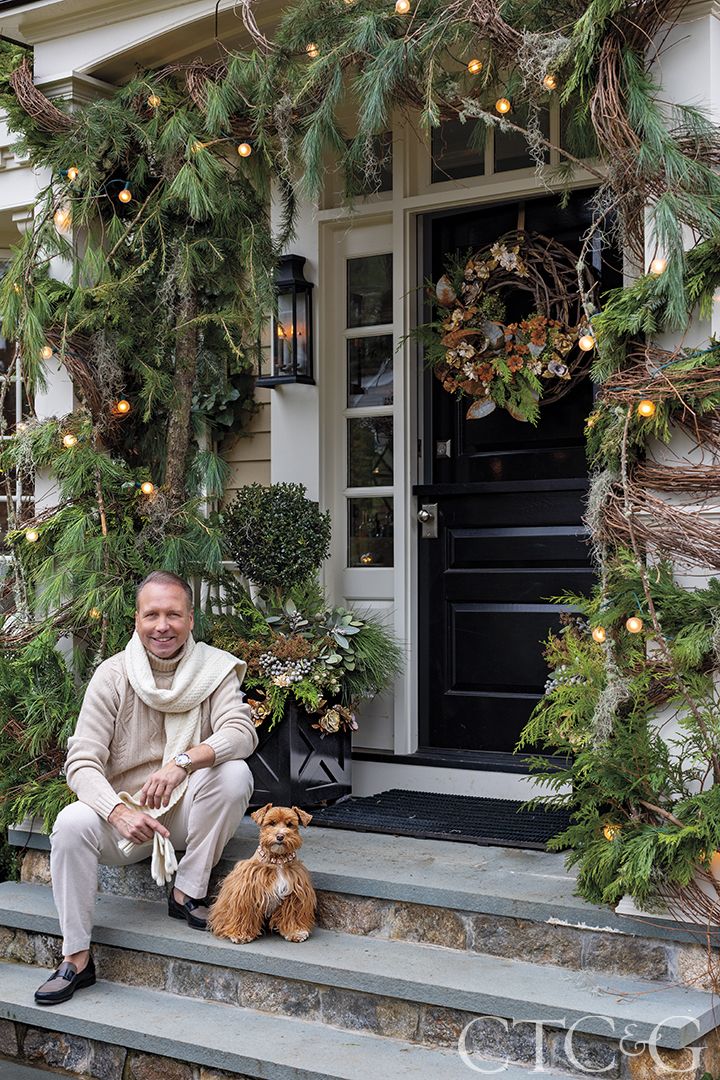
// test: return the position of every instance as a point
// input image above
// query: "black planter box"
(294, 765)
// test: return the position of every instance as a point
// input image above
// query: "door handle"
(428, 517)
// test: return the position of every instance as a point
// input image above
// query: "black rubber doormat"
(437, 816)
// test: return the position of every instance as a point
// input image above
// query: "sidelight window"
(369, 411)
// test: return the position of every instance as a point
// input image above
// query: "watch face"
(182, 759)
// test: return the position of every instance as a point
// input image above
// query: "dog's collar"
(274, 860)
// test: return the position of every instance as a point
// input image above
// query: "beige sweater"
(118, 740)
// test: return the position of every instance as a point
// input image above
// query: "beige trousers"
(202, 823)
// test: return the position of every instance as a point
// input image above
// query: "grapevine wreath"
(517, 365)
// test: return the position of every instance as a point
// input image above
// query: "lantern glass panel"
(284, 330)
(302, 325)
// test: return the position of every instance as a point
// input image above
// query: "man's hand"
(159, 786)
(135, 825)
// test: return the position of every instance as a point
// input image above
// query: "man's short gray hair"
(165, 577)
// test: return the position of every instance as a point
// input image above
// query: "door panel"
(510, 500)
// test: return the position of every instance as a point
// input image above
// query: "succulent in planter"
(327, 659)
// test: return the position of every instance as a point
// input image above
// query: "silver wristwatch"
(184, 761)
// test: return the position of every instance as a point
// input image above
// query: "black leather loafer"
(194, 912)
(63, 983)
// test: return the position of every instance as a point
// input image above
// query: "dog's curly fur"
(256, 890)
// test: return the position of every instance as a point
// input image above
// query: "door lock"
(428, 517)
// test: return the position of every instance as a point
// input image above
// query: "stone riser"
(539, 942)
(425, 1025)
(93, 1060)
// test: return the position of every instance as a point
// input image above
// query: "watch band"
(186, 765)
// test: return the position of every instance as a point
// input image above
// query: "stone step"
(393, 988)
(502, 901)
(215, 1036)
(14, 1070)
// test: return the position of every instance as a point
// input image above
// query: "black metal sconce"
(292, 331)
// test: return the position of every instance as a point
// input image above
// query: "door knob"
(427, 515)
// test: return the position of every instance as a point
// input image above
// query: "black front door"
(510, 499)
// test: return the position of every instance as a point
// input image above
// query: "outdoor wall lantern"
(292, 333)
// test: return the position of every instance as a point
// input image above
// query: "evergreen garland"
(164, 302)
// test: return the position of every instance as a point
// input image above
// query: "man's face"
(163, 619)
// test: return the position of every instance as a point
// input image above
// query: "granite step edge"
(476, 983)
(211, 1034)
(539, 898)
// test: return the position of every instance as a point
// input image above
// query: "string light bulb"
(475, 67)
(611, 831)
(312, 50)
(125, 196)
(147, 488)
(123, 407)
(153, 101)
(244, 149)
(32, 536)
(658, 266)
(646, 408)
(72, 173)
(502, 105)
(62, 218)
(46, 352)
(587, 342)
(599, 634)
(634, 624)
(69, 440)
(95, 613)
(550, 82)
(402, 7)
(20, 427)
(16, 288)
(366, 559)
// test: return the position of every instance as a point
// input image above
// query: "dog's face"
(280, 827)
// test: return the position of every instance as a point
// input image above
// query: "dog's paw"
(301, 935)
(241, 940)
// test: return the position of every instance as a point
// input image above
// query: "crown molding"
(42, 22)
(75, 87)
(698, 9)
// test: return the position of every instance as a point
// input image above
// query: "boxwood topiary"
(276, 535)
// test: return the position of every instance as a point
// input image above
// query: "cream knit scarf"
(198, 674)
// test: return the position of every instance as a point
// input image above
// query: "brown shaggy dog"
(273, 884)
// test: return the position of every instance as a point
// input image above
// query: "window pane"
(511, 149)
(370, 452)
(370, 532)
(370, 371)
(458, 150)
(369, 282)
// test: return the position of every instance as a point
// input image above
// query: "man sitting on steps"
(156, 762)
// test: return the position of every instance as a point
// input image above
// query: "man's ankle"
(80, 960)
(179, 896)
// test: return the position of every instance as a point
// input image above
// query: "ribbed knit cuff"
(105, 804)
(224, 749)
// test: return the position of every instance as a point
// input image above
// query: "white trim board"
(372, 777)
